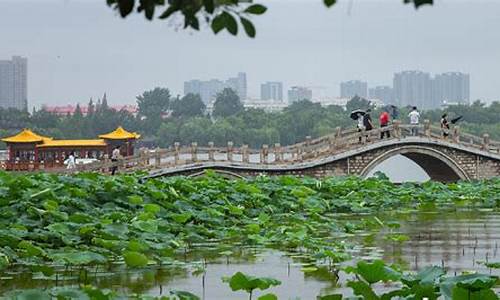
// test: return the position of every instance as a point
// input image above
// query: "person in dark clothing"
(367, 122)
(445, 126)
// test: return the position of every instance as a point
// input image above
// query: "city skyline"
(451, 87)
(68, 64)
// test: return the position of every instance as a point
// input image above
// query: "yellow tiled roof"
(26, 136)
(120, 134)
(72, 143)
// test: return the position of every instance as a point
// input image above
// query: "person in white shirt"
(414, 120)
(71, 161)
(115, 155)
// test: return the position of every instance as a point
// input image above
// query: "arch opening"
(437, 165)
(223, 173)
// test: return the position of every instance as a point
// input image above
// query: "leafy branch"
(219, 14)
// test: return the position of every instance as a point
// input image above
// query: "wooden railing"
(308, 150)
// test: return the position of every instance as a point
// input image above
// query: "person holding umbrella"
(445, 126)
(357, 115)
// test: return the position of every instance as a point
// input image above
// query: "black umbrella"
(455, 120)
(356, 113)
(392, 110)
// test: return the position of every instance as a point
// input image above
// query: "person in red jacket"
(384, 122)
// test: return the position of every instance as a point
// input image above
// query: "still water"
(459, 241)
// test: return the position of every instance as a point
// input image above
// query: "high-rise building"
(14, 83)
(238, 84)
(271, 91)
(413, 88)
(451, 87)
(298, 93)
(209, 89)
(383, 93)
(353, 88)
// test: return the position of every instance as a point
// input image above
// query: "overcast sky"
(79, 49)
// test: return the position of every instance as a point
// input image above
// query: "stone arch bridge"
(458, 157)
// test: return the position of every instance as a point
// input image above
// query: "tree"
(227, 103)
(357, 103)
(220, 14)
(154, 103)
(188, 106)
(44, 119)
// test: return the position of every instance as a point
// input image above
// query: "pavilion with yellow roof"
(27, 150)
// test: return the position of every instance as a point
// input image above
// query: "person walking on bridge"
(367, 123)
(384, 122)
(414, 120)
(445, 126)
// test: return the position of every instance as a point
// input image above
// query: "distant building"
(70, 109)
(266, 105)
(451, 87)
(271, 91)
(238, 84)
(14, 83)
(413, 88)
(353, 88)
(383, 93)
(298, 93)
(208, 90)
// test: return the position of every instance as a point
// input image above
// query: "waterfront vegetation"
(52, 224)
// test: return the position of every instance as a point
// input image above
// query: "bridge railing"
(339, 141)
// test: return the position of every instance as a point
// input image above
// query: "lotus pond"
(90, 236)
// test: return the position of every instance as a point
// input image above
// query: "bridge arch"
(223, 173)
(438, 165)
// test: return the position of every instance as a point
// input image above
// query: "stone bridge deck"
(459, 157)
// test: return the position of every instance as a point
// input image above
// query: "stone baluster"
(278, 155)
(177, 146)
(144, 157)
(211, 151)
(230, 151)
(264, 152)
(397, 129)
(338, 136)
(307, 151)
(363, 136)
(456, 134)
(486, 142)
(427, 128)
(244, 154)
(194, 151)
(157, 157)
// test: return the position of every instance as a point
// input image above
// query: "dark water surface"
(459, 241)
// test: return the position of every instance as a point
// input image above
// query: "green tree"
(44, 119)
(227, 103)
(358, 103)
(168, 134)
(153, 105)
(188, 106)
